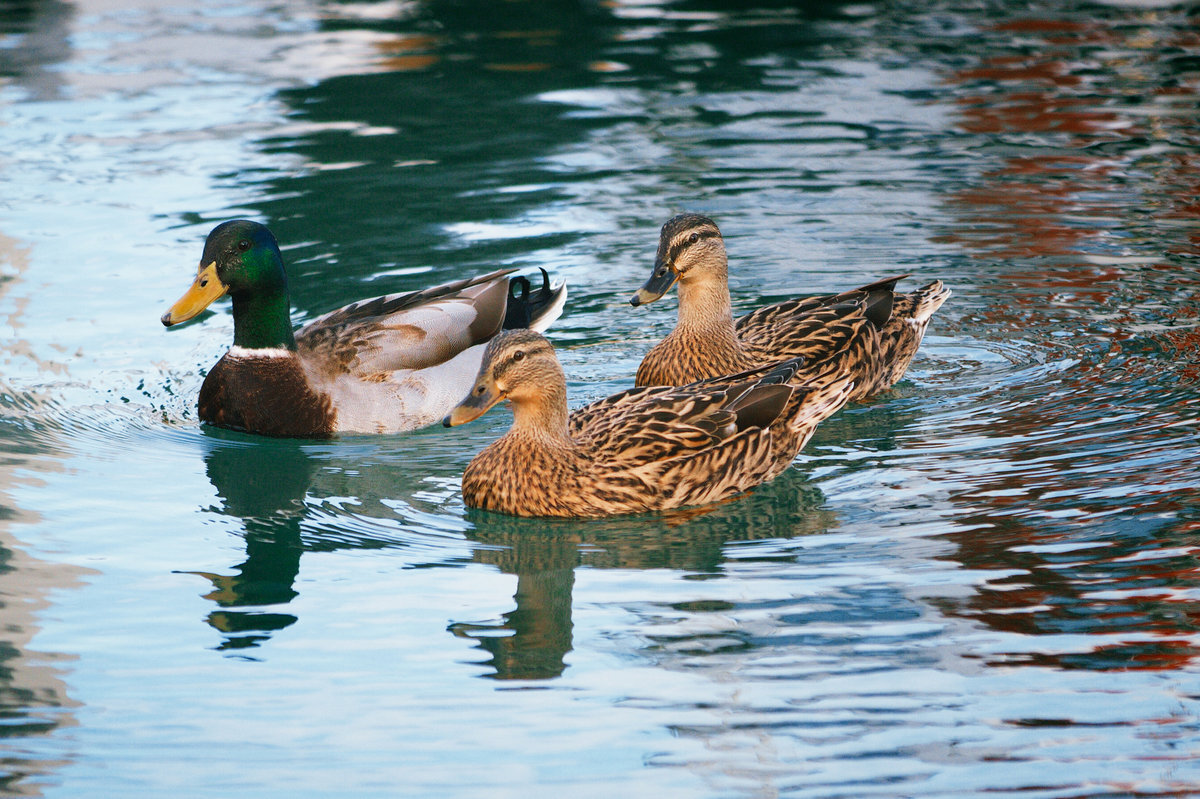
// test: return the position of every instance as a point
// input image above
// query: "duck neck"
(705, 308)
(543, 418)
(262, 321)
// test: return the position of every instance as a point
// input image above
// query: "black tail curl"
(525, 302)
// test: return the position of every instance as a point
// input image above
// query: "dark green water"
(984, 582)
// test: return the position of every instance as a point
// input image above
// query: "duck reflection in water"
(531, 642)
(264, 486)
(268, 484)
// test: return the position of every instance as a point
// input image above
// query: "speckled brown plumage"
(903, 333)
(646, 449)
(870, 332)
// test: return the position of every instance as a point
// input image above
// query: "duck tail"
(820, 397)
(885, 284)
(535, 309)
(926, 300)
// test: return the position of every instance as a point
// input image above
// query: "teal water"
(983, 583)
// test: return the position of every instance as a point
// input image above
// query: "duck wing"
(776, 331)
(874, 298)
(656, 424)
(645, 425)
(803, 305)
(416, 330)
(744, 453)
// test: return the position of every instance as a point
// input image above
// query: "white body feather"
(411, 367)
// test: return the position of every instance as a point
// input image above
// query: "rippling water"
(984, 582)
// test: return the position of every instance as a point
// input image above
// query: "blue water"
(984, 582)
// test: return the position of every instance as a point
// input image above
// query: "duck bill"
(661, 279)
(206, 289)
(477, 403)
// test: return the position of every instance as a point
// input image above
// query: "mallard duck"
(872, 330)
(645, 449)
(381, 365)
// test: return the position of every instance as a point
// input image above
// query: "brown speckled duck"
(646, 449)
(872, 331)
(382, 365)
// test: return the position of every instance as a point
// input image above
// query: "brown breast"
(680, 359)
(265, 395)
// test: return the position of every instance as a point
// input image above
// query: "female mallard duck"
(872, 330)
(382, 365)
(646, 449)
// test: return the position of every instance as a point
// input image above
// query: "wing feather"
(409, 331)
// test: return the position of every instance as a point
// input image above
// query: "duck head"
(690, 249)
(519, 366)
(241, 258)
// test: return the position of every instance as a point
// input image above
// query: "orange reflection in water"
(1082, 212)
(408, 53)
(1084, 105)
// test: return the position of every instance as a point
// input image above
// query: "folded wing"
(410, 331)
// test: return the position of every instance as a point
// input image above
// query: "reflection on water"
(278, 490)
(36, 34)
(36, 702)
(983, 582)
(266, 490)
(531, 641)
(290, 498)
(1090, 493)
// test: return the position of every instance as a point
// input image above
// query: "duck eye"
(244, 245)
(695, 237)
(480, 389)
(518, 355)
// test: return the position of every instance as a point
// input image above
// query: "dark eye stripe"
(680, 245)
(502, 367)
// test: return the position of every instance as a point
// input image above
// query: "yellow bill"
(206, 289)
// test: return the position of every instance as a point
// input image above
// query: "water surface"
(983, 582)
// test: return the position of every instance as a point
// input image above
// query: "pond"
(984, 581)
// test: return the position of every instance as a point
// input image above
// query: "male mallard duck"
(382, 365)
(645, 449)
(872, 330)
